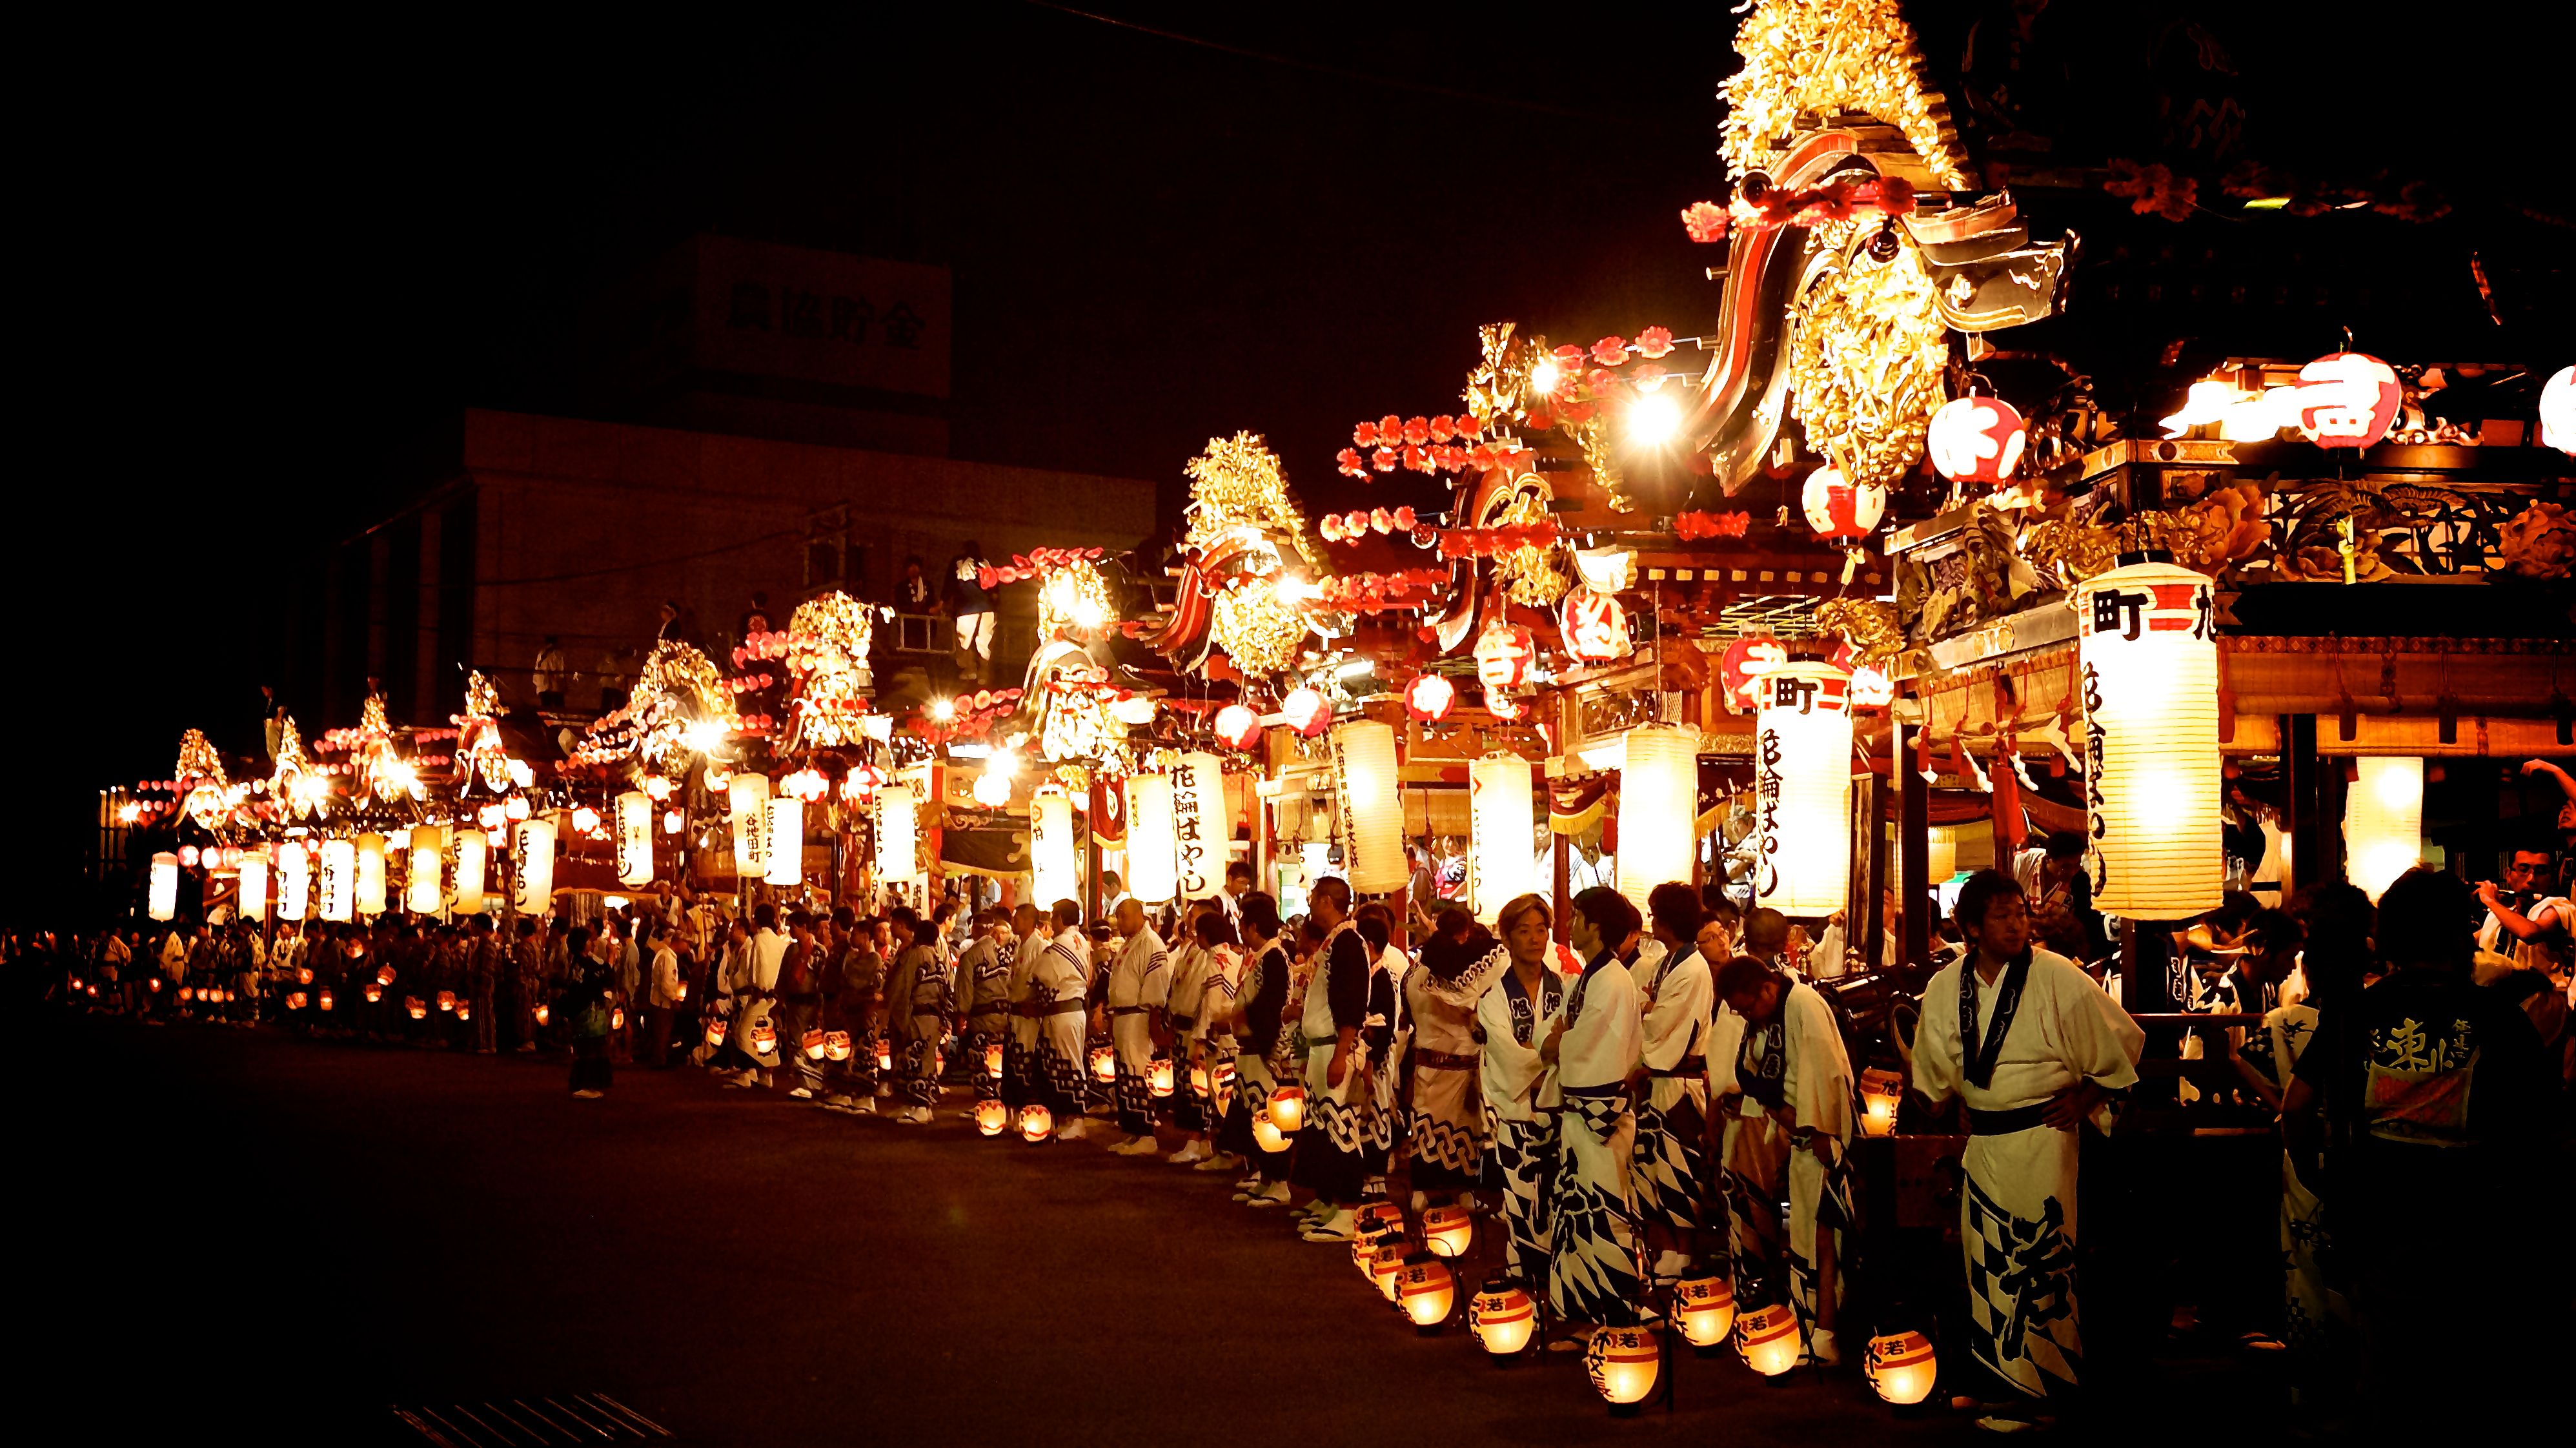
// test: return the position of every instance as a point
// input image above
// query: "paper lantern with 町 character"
(2147, 659)
(1802, 740)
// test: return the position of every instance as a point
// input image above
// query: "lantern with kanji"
(416, 1007)
(1238, 727)
(885, 1054)
(1054, 847)
(715, 1031)
(1840, 510)
(1368, 817)
(1704, 1307)
(1594, 626)
(1768, 1339)
(1385, 1265)
(1448, 1231)
(1880, 1093)
(1623, 1363)
(1505, 653)
(1977, 440)
(323, 1000)
(1426, 1292)
(764, 1038)
(1265, 1132)
(2147, 654)
(1104, 1064)
(991, 1118)
(1502, 815)
(295, 1000)
(1153, 843)
(1503, 1318)
(2346, 399)
(1288, 1109)
(1159, 1079)
(1428, 698)
(634, 838)
(1658, 809)
(1803, 767)
(1902, 1367)
(1036, 1124)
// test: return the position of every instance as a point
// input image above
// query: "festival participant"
(758, 993)
(1260, 1021)
(1059, 987)
(918, 1004)
(1671, 1170)
(2528, 929)
(1183, 1008)
(984, 999)
(663, 1001)
(1594, 1274)
(584, 1007)
(1332, 1155)
(1390, 1038)
(1766, 936)
(527, 984)
(2034, 1050)
(1140, 980)
(1020, 1061)
(1445, 1120)
(1202, 1038)
(800, 1005)
(484, 966)
(1512, 1020)
(1784, 1076)
(852, 973)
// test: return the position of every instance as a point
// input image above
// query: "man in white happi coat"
(1140, 980)
(1784, 1083)
(1059, 987)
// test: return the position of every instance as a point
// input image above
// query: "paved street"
(275, 1239)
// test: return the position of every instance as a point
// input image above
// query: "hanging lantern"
(763, 1040)
(1803, 755)
(447, 1001)
(749, 797)
(254, 888)
(371, 875)
(1448, 1231)
(1426, 1292)
(1658, 810)
(1838, 511)
(515, 807)
(1505, 653)
(1054, 850)
(1593, 625)
(634, 838)
(1199, 1079)
(465, 1010)
(1503, 1318)
(674, 820)
(2383, 823)
(2346, 399)
(1502, 817)
(385, 974)
(1623, 1363)
(1201, 824)
(536, 850)
(1153, 870)
(304, 975)
(339, 880)
(1880, 1094)
(786, 841)
(1768, 1339)
(1743, 666)
(885, 1054)
(993, 1061)
(2148, 649)
(421, 892)
(162, 898)
(1307, 711)
(1265, 1132)
(1238, 727)
(1428, 699)
(2558, 411)
(617, 1018)
(1104, 1064)
(991, 1118)
(992, 788)
(898, 834)
(1977, 440)
(294, 881)
(188, 857)
(1704, 1307)
(493, 816)
(585, 820)
(473, 854)
(1368, 815)
(1159, 1079)
(1902, 1367)
(715, 1032)
(1036, 1124)
(1288, 1109)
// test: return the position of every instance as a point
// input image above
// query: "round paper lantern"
(814, 1045)
(1658, 809)
(1104, 1064)
(1158, 1079)
(1448, 1231)
(1427, 700)
(1881, 1092)
(2346, 399)
(473, 856)
(1378, 1216)
(515, 807)
(536, 851)
(1426, 1292)
(1307, 711)
(1839, 511)
(786, 841)
(1036, 1124)
(1768, 1339)
(1386, 1264)
(339, 880)
(161, 899)
(1803, 763)
(1704, 1307)
(1902, 1367)
(1593, 625)
(898, 834)
(1746, 662)
(541, 1013)
(1503, 1318)
(749, 797)
(2148, 655)
(1977, 440)
(1238, 727)
(2383, 823)
(1288, 1109)
(635, 838)
(294, 881)
(447, 1000)
(188, 857)
(1369, 817)
(371, 875)
(1505, 654)
(1502, 817)
(295, 1000)
(2558, 411)
(1201, 824)
(837, 1046)
(1153, 870)
(715, 1032)
(323, 1000)
(1055, 853)
(991, 1118)
(1623, 1363)
(993, 1061)
(674, 820)
(254, 888)
(1265, 1132)
(422, 892)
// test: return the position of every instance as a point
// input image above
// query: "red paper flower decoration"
(1352, 465)
(1705, 221)
(1654, 342)
(1610, 351)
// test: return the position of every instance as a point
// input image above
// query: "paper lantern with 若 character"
(2147, 657)
(993, 1060)
(634, 838)
(1377, 1216)
(2383, 822)
(473, 856)
(371, 875)
(447, 1000)
(836, 1045)
(991, 1117)
(339, 880)
(1502, 815)
(1159, 1079)
(1658, 810)
(715, 1031)
(748, 797)
(1288, 1109)
(1704, 1307)
(162, 901)
(1902, 1367)
(1448, 1231)
(1104, 1064)
(1036, 1124)
(1768, 1339)
(536, 842)
(1880, 1093)
(304, 975)
(813, 1045)
(1426, 1292)
(1385, 1265)
(1369, 815)
(1623, 1363)
(254, 888)
(422, 892)
(1153, 862)
(786, 841)
(1502, 1317)
(1802, 739)
(898, 815)
(294, 881)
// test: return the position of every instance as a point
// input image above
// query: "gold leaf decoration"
(2065, 554)
(1865, 363)
(827, 652)
(1806, 60)
(1867, 624)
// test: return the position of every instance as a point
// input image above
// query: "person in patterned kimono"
(1139, 988)
(918, 996)
(1184, 1009)
(1445, 1125)
(1059, 991)
(1679, 994)
(1595, 1273)
(1204, 1048)
(1788, 1060)
(2033, 1050)
(1513, 1017)
(1260, 1008)
(983, 999)
(1332, 1150)
(1020, 1060)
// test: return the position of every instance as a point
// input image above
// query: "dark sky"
(275, 259)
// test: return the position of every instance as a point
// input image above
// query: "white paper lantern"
(749, 796)
(1369, 817)
(254, 888)
(1658, 805)
(162, 901)
(425, 892)
(473, 853)
(294, 881)
(1055, 852)
(2148, 650)
(898, 834)
(634, 838)
(1200, 825)
(1153, 861)
(786, 841)
(1941, 854)
(1502, 817)
(339, 879)
(371, 875)
(1802, 739)
(536, 852)
(2383, 823)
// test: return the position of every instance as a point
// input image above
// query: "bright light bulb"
(705, 736)
(1654, 419)
(943, 710)
(1543, 378)
(1089, 614)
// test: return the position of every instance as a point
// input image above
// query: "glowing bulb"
(705, 736)
(943, 710)
(1654, 420)
(1089, 613)
(1543, 379)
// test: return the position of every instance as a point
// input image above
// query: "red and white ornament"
(2346, 399)
(1428, 698)
(2558, 411)
(1977, 440)
(1594, 626)
(1238, 727)
(1745, 663)
(1504, 653)
(1839, 510)
(1307, 711)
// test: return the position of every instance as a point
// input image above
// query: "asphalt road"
(275, 1240)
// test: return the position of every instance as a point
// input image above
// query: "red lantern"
(1308, 712)
(1594, 625)
(1839, 511)
(1977, 440)
(1504, 706)
(1238, 727)
(1428, 698)
(1504, 652)
(188, 855)
(1745, 662)
(2346, 399)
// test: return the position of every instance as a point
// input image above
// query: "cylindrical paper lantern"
(473, 852)
(1054, 851)
(254, 888)
(339, 879)
(371, 875)
(1658, 803)
(424, 892)
(536, 849)
(1803, 760)
(2383, 823)
(1502, 817)
(2148, 650)
(294, 882)
(1370, 817)
(786, 841)
(1153, 865)
(634, 838)
(163, 899)
(898, 834)
(749, 796)
(1941, 852)
(1200, 825)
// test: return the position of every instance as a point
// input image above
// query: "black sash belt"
(1128, 1010)
(1072, 1007)
(2005, 1123)
(1443, 1060)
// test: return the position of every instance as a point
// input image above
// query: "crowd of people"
(1647, 1097)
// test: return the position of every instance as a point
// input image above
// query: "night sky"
(274, 260)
